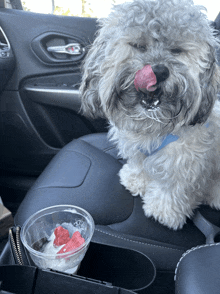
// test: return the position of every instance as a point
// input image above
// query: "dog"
(152, 73)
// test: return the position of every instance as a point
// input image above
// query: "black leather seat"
(84, 173)
(198, 271)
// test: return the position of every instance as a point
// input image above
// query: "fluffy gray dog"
(152, 73)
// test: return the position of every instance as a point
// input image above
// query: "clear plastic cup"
(37, 236)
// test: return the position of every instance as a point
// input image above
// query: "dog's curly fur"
(177, 35)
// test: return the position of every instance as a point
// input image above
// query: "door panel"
(40, 102)
(7, 60)
(22, 29)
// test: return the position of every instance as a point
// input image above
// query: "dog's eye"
(176, 51)
(141, 48)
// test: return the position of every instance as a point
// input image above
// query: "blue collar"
(167, 140)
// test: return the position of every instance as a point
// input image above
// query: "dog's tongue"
(145, 79)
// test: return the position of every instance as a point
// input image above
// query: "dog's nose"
(161, 72)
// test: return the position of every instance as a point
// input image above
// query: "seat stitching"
(104, 149)
(109, 148)
(139, 242)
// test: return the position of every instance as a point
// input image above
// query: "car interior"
(52, 155)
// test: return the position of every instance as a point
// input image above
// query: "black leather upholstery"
(198, 271)
(84, 173)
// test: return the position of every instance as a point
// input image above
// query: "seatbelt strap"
(208, 229)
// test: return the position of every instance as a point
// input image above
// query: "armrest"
(198, 270)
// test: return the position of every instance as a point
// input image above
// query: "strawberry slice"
(61, 236)
(76, 241)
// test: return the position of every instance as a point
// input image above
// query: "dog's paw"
(214, 196)
(165, 209)
(133, 181)
(165, 216)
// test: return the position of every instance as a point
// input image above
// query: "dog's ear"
(91, 105)
(210, 85)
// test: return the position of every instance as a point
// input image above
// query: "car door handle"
(72, 49)
(58, 48)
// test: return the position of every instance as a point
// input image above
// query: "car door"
(40, 102)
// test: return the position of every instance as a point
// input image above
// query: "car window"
(96, 8)
(212, 6)
(83, 8)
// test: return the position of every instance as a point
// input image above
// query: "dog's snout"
(161, 72)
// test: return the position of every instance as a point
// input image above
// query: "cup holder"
(121, 267)
(104, 269)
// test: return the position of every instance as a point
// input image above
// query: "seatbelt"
(208, 229)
